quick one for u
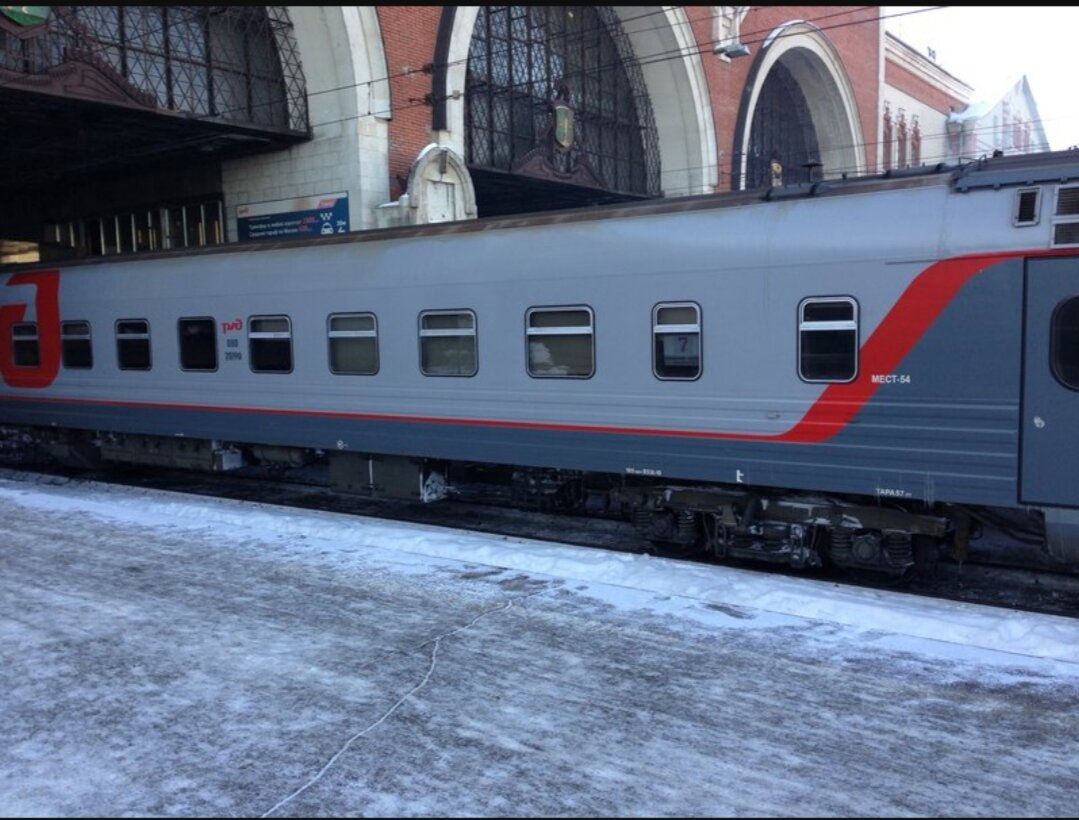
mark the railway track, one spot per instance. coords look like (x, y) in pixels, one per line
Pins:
(1010, 574)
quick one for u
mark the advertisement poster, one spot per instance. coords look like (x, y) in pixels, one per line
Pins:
(300, 218)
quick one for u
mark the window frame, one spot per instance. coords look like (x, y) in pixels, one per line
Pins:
(332, 334)
(66, 336)
(697, 329)
(839, 325)
(180, 343)
(435, 333)
(564, 330)
(1054, 335)
(268, 335)
(131, 337)
(20, 342)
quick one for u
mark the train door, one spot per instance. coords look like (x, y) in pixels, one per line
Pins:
(1050, 424)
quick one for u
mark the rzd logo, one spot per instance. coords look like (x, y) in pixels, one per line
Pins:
(47, 315)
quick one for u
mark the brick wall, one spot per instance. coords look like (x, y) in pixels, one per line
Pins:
(906, 81)
(855, 34)
(408, 34)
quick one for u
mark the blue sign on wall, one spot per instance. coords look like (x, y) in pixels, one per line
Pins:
(300, 218)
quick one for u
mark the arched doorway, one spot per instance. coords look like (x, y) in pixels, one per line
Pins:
(798, 107)
(782, 131)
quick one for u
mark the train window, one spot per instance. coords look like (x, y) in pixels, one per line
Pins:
(1064, 342)
(133, 344)
(24, 347)
(560, 342)
(676, 340)
(828, 339)
(75, 350)
(353, 341)
(448, 343)
(269, 344)
(198, 343)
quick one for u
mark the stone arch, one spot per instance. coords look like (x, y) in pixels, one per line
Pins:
(343, 44)
(680, 97)
(677, 87)
(814, 64)
(372, 71)
(348, 114)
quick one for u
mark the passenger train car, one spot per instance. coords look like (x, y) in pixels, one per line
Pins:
(854, 372)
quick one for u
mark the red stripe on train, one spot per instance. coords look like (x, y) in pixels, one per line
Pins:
(910, 317)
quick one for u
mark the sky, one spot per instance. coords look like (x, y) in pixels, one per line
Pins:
(169, 655)
(989, 48)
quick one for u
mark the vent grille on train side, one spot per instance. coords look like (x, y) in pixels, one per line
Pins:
(1066, 233)
(1066, 217)
(1068, 201)
(1026, 207)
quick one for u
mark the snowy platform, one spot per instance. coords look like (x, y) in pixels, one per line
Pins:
(164, 655)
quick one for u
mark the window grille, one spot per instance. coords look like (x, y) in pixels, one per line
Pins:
(1066, 216)
(237, 63)
(782, 129)
(517, 58)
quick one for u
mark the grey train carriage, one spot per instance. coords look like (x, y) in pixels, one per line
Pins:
(856, 372)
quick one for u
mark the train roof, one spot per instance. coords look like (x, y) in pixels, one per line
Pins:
(986, 172)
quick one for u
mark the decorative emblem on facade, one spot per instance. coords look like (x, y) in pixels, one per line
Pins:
(563, 117)
(775, 168)
(558, 155)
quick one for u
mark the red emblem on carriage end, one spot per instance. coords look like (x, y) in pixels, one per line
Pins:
(47, 316)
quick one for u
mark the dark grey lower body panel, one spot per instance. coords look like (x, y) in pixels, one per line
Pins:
(861, 460)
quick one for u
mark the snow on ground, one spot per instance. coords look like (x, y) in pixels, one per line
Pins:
(166, 655)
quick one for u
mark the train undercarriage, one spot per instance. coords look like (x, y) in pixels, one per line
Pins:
(791, 528)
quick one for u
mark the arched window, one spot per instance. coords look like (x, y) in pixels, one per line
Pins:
(901, 139)
(915, 141)
(235, 63)
(782, 130)
(886, 137)
(526, 62)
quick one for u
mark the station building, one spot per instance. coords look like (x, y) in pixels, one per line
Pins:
(137, 128)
